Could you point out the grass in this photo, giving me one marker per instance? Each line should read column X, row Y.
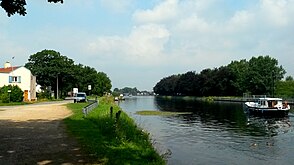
column 108, row 140
column 160, row 113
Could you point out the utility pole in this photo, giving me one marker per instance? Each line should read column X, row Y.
column 57, row 87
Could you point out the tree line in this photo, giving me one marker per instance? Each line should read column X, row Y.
column 259, row 75
column 53, row 69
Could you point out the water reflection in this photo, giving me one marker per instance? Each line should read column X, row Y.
column 260, row 126
column 224, row 116
column 215, row 132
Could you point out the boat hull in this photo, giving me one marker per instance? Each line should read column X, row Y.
column 268, row 111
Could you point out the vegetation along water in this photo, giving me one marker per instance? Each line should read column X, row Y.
column 214, row 132
column 108, row 140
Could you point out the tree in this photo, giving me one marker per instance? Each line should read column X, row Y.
column 263, row 73
column 259, row 75
column 126, row 90
column 167, row 86
column 18, row 6
column 51, row 69
column 240, row 70
column 289, row 78
column 102, row 84
column 285, row 89
column 187, row 84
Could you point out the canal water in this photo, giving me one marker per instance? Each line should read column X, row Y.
column 214, row 133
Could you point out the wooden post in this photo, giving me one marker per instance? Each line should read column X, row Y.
column 117, row 115
column 111, row 111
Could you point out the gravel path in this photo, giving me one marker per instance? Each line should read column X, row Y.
column 35, row 134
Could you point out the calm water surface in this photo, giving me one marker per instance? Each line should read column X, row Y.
column 215, row 133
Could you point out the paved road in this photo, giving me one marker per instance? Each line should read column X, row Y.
column 35, row 134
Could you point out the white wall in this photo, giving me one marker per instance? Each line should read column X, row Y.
column 25, row 75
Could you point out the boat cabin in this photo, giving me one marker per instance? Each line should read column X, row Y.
column 271, row 102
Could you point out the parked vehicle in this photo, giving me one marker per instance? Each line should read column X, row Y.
column 268, row 106
column 81, row 97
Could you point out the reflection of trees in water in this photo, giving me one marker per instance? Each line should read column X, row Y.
column 223, row 115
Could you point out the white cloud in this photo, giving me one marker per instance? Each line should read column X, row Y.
column 165, row 11
column 275, row 11
column 197, row 36
column 117, row 6
column 143, row 45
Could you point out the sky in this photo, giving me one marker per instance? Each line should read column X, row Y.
column 138, row 42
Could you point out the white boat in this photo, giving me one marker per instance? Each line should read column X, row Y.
column 268, row 106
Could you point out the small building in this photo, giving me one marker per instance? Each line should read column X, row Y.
column 20, row 76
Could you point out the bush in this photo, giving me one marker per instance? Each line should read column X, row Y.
column 16, row 94
column 44, row 95
column 5, row 98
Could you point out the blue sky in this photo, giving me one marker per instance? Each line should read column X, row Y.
column 136, row 43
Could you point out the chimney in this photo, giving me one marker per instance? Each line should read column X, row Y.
column 7, row 65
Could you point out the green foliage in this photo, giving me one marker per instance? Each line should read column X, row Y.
column 18, row 6
column 45, row 94
column 51, row 68
column 5, row 98
column 111, row 141
column 285, row 89
column 128, row 90
column 289, row 78
column 16, row 94
column 258, row 76
column 167, row 85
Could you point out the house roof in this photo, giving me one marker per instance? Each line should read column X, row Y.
column 9, row 69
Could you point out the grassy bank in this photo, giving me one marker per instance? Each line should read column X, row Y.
column 108, row 140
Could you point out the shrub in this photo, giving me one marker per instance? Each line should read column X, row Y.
column 16, row 94
column 5, row 98
column 44, row 95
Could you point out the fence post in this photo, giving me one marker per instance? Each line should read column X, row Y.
column 85, row 112
column 117, row 115
column 111, row 111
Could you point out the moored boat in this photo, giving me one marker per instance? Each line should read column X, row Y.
column 268, row 106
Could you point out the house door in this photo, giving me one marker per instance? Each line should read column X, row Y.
column 26, row 95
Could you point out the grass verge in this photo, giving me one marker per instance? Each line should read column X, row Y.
column 108, row 140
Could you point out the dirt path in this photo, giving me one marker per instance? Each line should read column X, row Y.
column 35, row 134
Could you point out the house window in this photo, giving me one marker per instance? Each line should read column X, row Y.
column 14, row 79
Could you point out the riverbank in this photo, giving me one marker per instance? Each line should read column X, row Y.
column 109, row 140
column 219, row 98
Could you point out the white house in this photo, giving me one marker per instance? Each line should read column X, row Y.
column 20, row 76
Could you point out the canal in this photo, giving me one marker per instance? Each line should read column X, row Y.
column 214, row 133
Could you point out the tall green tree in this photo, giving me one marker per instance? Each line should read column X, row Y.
column 285, row 88
column 187, row 84
column 18, row 6
column 51, row 69
column 262, row 75
column 239, row 70
column 102, row 85
column 167, row 86
column 259, row 75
